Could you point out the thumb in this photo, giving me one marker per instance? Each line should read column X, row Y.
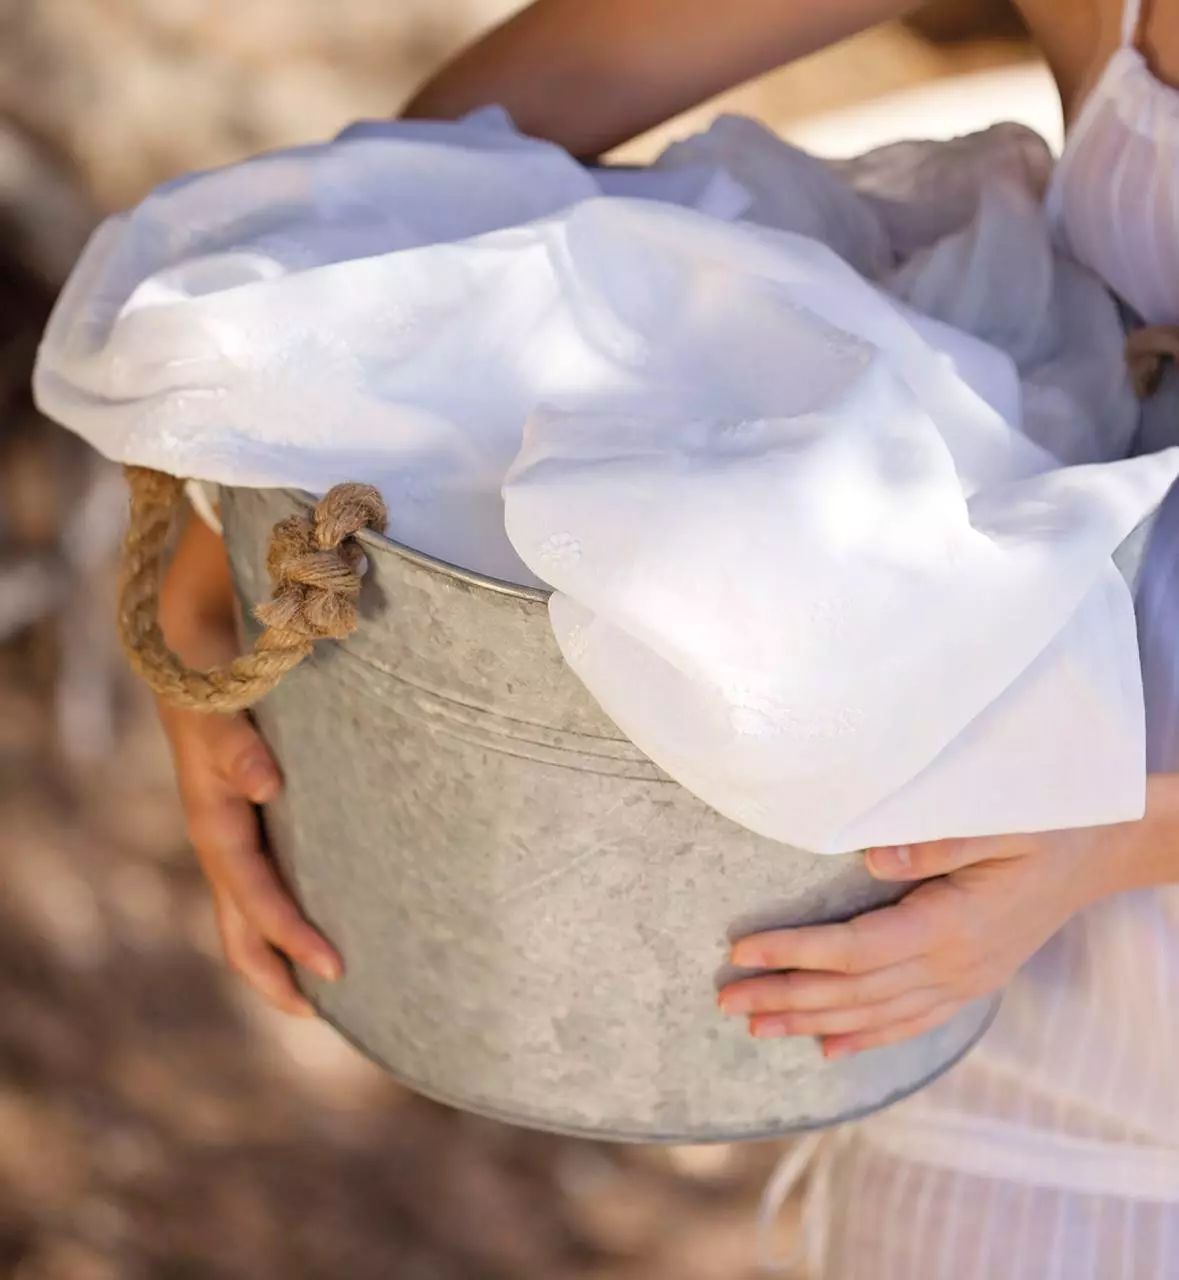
column 241, row 758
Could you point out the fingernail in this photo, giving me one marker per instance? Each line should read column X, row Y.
column 886, row 862
column 746, row 957
column 736, row 1003
column 766, row 1030
column 833, row 1051
column 327, row 968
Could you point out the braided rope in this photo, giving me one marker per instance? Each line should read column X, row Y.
column 314, row 566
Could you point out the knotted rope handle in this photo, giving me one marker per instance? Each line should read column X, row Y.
column 314, row 564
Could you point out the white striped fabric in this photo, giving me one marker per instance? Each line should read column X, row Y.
column 1052, row 1152
column 960, row 1226
column 1115, row 196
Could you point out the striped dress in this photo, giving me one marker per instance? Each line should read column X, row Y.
column 1052, row 1152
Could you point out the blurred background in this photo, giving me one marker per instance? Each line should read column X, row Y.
column 156, row 1121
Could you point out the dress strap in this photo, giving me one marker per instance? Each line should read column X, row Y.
column 1131, row 18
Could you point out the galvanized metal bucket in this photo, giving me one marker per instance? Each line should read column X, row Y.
column 534, row 918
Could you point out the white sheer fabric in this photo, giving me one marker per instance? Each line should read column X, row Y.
column 900, row 1220
column 1052, row 1152
column 1115, row 195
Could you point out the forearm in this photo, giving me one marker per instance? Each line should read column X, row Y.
column 1147, row 852
column 196, row 600
column 592, row 74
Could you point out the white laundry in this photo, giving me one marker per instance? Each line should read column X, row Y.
column 759, row 601
column 786, row 437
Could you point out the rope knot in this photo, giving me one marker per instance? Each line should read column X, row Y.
column 315, row 565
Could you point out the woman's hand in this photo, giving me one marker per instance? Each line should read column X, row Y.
column 986, row 906
column 223, row 770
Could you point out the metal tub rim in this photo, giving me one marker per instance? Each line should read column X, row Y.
column 498, row 586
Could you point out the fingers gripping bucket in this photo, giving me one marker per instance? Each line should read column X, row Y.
column 534, row 919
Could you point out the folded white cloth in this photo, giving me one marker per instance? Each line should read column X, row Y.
column 786, row 437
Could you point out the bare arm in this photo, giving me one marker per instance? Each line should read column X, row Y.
column 592, row 74
column 196, row 602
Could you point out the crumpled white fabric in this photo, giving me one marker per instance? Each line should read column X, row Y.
column 786, row 437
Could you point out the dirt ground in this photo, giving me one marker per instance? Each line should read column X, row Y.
column 156, row 1121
